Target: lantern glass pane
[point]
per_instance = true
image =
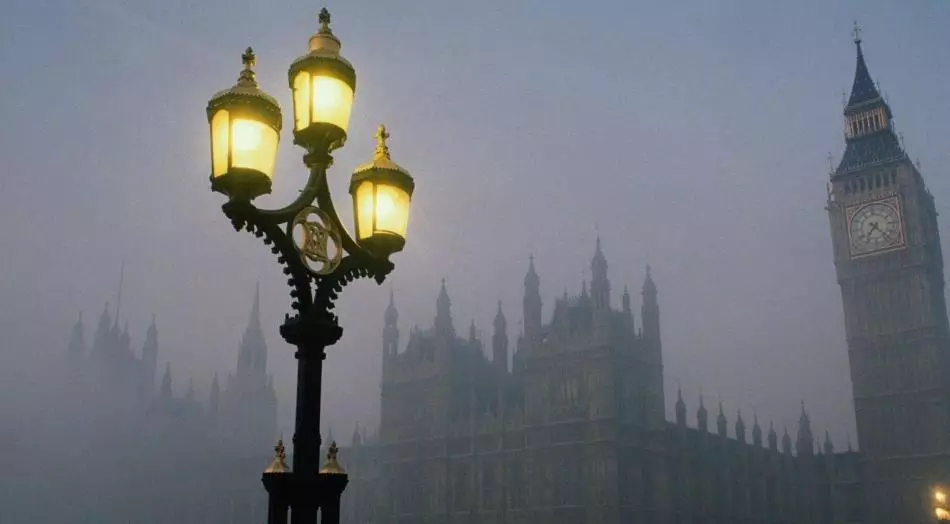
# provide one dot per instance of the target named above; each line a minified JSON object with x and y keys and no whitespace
{"x":364,"y":210}
{"x":332,"y":100}
{"x":253,"y":146}
{"x":301,"y":100}
{"x":392,"y":209}
{"x":220,"y":142}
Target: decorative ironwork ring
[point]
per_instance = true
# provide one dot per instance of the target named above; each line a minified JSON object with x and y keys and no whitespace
{"x":317,"y":240}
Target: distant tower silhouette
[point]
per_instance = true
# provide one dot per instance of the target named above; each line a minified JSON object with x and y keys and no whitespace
{"x":599,"y":284}
{"x":500,"y":342}
{"x":532,"y":303}
{"x":443,"y":313}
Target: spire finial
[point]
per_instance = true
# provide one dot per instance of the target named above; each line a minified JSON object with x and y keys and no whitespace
{"x":325,"y":21}
{"x":382,"y":149}
{"x":279,"y":465}
{"x":332,"y":465}
{"x":248,"y":58}
{"x":247,"y":78}
{"x":856,"y":32}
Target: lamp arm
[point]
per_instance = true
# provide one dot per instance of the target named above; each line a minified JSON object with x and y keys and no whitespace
{"x":314,"y":302}
{"x":244,"y":215}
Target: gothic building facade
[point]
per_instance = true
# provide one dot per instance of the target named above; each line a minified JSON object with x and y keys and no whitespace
{"x":573,"y":430}
{"x":572,"y":427}
{"x":158,"y":456}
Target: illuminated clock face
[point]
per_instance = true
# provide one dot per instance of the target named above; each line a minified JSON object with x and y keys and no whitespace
{"x":876,"y":227}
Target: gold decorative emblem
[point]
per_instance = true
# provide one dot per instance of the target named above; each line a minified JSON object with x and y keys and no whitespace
{"x":318,"y":242}
{"x":875,"y":226}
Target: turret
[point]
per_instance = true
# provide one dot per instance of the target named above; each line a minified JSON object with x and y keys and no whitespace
{"x":150,"y":357}
{"x":650,"y":314}
{"x":627,"y":309}
{"x":786,"y":443}
{"x":721,"y":422}
{"x":252,"y":355}
{"x":756,"y":431}
{"x":166,"y":391}
{"x":652,"y":352}
{"x":702,"y":416}
{"x":599,"y":284}
{"x":390,"y":329}
{"x":356,"y":440}
{"x":443,"y":313}
{"x":102,"y":343}
{"x":828,"y":447}
{"x":77,"y":343}
{"x":805,"y":441}
{"x":740,"y":427}
{"x":532,"y":303}
{"x":773,"y":438}
{"x":500,"y":342}
{"x":472,"y":335}
{"x":125,"y":340}
{"x":680,"y":409}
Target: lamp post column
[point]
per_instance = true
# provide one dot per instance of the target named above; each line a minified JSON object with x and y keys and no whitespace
{"x":307,"y":434}
{"x":311,"y":332}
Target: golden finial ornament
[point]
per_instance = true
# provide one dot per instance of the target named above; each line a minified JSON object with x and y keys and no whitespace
{"x":382,"y":150}
{"x":247,"y":77}
{"x":324,"y":19}
{"x":324,"y":43}
{"x":279,"y":465}
{"x":381,"y":158}
{"x":332,"y":467}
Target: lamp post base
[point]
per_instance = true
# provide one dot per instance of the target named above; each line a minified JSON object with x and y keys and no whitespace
{"x":303,"y":496}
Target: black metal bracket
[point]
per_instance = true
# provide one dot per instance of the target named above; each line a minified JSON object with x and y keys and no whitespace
{"x":313,"y":294}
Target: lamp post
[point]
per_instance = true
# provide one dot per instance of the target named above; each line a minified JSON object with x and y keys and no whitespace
{"x":318,"y":255}
{"x":941,"y":511}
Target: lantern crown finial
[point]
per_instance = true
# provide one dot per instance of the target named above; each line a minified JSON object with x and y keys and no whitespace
{"x":247,"y":78}
{"x":325,"y":21}
{"x":382,"y":149}
{"x":324,"y":42}
{"x":381,"y":158}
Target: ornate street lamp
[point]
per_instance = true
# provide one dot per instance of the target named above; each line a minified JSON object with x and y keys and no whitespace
{"x":318,"y":254}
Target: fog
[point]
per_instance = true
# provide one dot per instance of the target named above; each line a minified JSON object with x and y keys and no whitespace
{"x":695,"y":139}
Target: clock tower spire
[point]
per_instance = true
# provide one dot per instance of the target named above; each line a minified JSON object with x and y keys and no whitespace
{"x":889,"y":266}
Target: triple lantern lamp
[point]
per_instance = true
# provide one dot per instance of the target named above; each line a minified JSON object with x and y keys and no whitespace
{"x":245,"y":131}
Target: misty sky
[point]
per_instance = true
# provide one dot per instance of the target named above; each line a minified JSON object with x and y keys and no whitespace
{"x":691,"y":137}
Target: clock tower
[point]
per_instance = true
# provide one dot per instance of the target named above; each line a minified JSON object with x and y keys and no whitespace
{"x":890,"y":268}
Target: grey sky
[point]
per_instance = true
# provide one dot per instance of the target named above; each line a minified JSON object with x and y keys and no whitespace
{"x":692,"y":136}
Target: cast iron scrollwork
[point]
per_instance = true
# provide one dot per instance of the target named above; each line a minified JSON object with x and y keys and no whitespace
{"x":313,"y":260}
